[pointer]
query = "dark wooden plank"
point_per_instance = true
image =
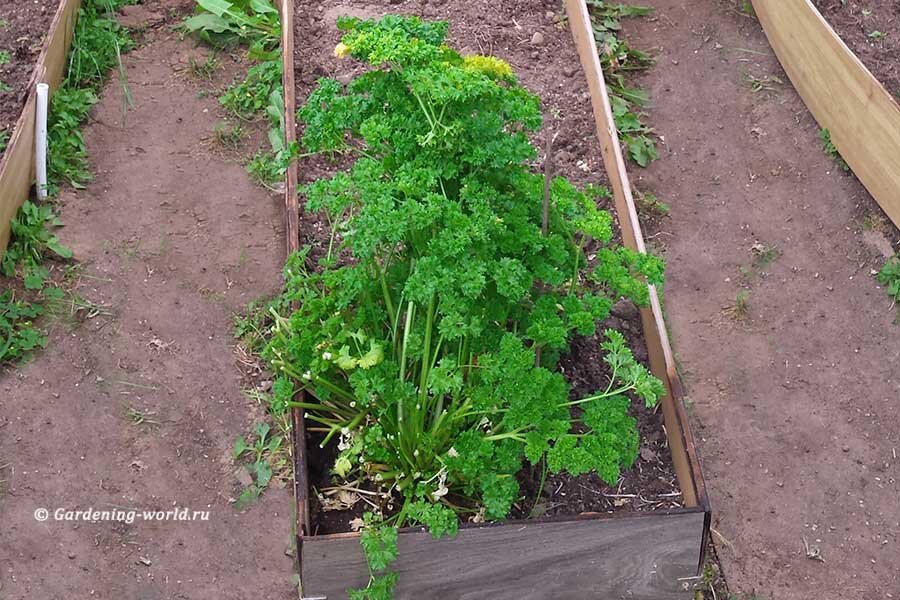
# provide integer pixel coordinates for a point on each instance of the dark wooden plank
(292, 244)
(639, 558)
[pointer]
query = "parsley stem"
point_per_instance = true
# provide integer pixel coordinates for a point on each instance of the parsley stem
(607, 394)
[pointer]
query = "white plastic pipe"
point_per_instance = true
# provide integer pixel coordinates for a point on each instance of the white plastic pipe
(40, 140)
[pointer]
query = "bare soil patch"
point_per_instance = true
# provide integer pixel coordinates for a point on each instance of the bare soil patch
(139, 405)
(23, 27)
(793, 401)
(535, 40)
(871, 28)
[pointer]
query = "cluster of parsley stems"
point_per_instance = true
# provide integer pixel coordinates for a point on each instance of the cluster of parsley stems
(435, 415)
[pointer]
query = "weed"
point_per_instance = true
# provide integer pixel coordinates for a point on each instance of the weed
(889, 277)
(741, 308)
(248, 98)
(877, 35)
(227, 137)
(223, 23)
(140, 417)
(97, 44)
(831, 150)
(31, 242)
(649, 203)
(4, 57)
(205, 69)
(764, 83)
(764, 255)
(747, 8)
(268, 167)
(67, 160)
(874, 221)
(263, 452)
(18, 334)
(252, 327)
(4, 139)
(617, 58)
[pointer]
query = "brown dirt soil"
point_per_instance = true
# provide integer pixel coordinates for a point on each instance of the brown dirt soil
(550, 69)
(794, 405)
(171, 240)
(859, 23)
(23, 26)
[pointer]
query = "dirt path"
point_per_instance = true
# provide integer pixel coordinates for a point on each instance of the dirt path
(795, 404)
(172, 240)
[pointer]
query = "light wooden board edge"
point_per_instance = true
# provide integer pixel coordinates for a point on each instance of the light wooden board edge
(292, 244)
(662, 362)
(17, 166)
(841, 93)
(641, 556)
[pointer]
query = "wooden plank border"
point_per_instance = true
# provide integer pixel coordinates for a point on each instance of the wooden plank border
(17, 166)
(841, 93)
(662, 362)
(644, 556)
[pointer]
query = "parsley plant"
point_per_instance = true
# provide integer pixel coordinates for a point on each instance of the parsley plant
(427, 339)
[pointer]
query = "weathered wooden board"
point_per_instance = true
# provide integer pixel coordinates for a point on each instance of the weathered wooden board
(17, 166)
(662, 363)
(292, 244)
(841, 93)
(639, 558)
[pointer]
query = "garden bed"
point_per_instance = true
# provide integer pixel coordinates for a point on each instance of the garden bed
(23, 26)
(861, 116)
(871, 29)
(588, 532)
(17, 161)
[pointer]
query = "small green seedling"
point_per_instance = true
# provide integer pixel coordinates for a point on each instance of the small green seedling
(204, 69)
(262, 451)
(741, 307)
(4, 57)
(831, 150)
(228, 137)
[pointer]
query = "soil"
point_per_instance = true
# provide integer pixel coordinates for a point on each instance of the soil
(138, 404)
(793, 404)
(860, 23)
(550, 69)
(23, 26)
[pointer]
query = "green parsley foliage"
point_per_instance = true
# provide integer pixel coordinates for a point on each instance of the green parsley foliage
(430, 347)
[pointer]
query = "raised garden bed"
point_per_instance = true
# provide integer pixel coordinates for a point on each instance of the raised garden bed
(23, 26)
(871, 29)
(17, 163)
(845, 97)
(589, 539)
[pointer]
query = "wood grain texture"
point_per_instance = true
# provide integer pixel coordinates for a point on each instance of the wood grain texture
(841, 93)
(662, 362)
(292, 244)
(17, 166)
(639, 558)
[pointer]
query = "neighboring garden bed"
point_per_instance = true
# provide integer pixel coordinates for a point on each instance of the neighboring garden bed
(871, 29)
(537, 44)
(23, 27)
